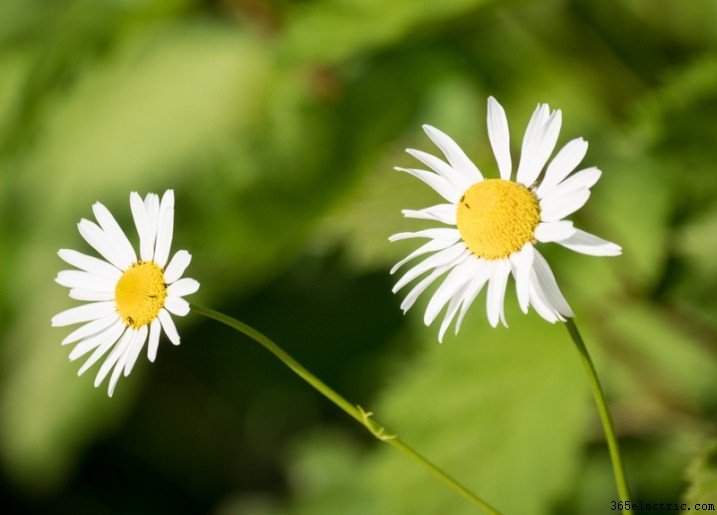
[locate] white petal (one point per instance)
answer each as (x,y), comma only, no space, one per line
(563,164)
(114,355)
(552,210)
(141,221)
(546,147)
(474,270)
(90,329)
(168,325)
(101,346)
(99,241)
(183,287)
(436,164)
(114,232)
(444,213)
(440,184)
(165,229)
(550,286)
(454,154)
(451,311)
(539,301)
(584,179)
(136,348)
(90,264)
(84,281)
(155,328)
(105,339)
(431,246)
(455,252)
(455,178)
(534,157)
(481,275)
(87,295)
(531,138)
(84,313)
(454,281)
(176,305)
(522,264)
(118,370)
(151,205)
(117,365)
(421,286)
(435,234)
(499,137)
(586,243)
(554,231)
(496,291)
(177,265)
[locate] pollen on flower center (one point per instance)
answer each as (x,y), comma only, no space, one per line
(497,217)
(140,293)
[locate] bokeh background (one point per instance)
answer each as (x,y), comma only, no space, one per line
(277,124)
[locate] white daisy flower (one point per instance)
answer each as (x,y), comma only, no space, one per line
(494,224)
(129,300)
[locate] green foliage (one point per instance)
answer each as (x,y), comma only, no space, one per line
(702,476)
(493,407)
(332,31)
(278,124)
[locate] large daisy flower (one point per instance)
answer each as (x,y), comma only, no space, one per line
(129,299)
(494,224)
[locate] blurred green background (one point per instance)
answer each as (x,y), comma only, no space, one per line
(277,124)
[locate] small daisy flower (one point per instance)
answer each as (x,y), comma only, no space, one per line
(129,300)
(494,224)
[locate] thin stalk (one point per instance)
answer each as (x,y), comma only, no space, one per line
(356,412)
(608,427)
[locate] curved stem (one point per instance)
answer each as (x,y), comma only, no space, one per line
(356,412)
(607,424)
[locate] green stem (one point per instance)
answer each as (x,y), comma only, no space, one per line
(607,424)
(356,412)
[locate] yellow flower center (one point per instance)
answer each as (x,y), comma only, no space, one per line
(140,293)
(497,217)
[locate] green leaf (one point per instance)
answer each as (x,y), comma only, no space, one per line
(664,358)
(332,31)
(501,410)
(702,477)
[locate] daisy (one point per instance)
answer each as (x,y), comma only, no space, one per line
(129,300)
(494,224)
